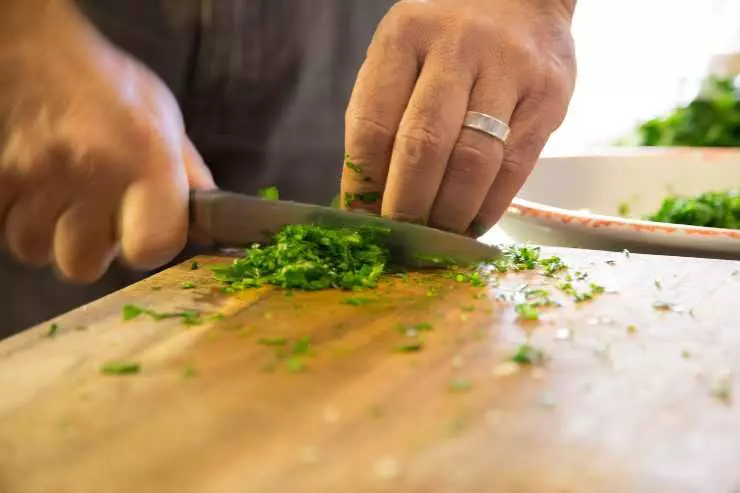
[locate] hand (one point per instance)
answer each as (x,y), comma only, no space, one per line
(94,160)
(429,63)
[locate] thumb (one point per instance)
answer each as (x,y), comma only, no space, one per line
(198,174)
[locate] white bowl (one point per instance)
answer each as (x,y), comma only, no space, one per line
(574,201)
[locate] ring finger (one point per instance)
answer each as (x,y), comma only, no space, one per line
(475,160)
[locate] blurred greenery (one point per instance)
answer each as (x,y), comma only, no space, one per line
(712,119)
(710,209)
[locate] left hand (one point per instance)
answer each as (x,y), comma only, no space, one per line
(429,63)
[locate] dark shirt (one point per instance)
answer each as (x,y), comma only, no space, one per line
(263,85)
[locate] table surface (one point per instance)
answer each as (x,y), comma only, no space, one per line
(631,398)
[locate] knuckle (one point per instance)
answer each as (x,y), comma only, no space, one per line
(472,162)
(518,162)
(405,21)
(476,29)
(417,142)
(368,133)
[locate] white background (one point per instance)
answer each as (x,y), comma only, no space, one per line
(633,56)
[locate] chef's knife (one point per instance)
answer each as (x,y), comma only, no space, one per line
(230,220)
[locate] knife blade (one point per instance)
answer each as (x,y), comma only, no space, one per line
(231,220)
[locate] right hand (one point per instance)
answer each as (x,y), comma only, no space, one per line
(94,158)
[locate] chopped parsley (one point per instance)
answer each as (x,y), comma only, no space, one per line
(352,166)
(189,317)
(411,347)
(274,341)
(527,311)
(269,193)
(367,198)
(716,209)
(53,329)
(188,285)
(120,368)
(358,300)
(194,265)
(311,258)
(712,119)
(526,355)
(518,258)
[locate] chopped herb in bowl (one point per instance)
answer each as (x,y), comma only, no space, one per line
(712,119)
(719,209)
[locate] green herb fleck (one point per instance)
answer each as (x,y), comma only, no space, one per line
(553,265)
(369,197)
(632,329)
(273,341)
(294,364)
(189,317)
(352,166)
(527,311)
(358,300)
(189,372)
(624,209)
(53,329)
(120,368)
(528,355)
(194,265)
(460,385)
(131,312)
(188,285)
(269,193)
(594,290)
(411,347)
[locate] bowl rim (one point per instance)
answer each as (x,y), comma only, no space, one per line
(608,152)
(528,208)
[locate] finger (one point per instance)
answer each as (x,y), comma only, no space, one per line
(425,138)
(199,176)
(475,159)
(153,217)
(529,134)
(85,239)
(383,88)
(8,194)
(29,228)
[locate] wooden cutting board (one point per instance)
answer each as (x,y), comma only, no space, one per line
(631,398)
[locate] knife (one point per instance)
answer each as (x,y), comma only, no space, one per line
(230,220)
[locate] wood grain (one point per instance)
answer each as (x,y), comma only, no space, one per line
(215,410)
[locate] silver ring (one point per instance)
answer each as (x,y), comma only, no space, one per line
(488,125)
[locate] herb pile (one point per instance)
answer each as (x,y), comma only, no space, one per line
(311,258)
(710,120)
(711,209)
